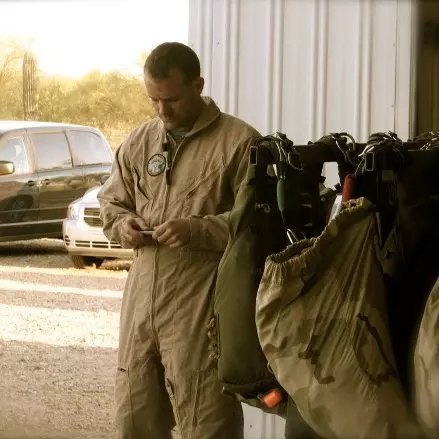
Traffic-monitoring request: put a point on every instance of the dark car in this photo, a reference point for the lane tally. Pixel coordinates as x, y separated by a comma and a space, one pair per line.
53, 164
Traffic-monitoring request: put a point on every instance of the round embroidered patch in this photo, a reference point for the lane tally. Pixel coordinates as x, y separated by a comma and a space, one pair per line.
156, 165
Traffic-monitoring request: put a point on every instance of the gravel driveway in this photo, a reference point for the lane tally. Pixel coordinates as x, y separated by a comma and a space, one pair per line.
58, 340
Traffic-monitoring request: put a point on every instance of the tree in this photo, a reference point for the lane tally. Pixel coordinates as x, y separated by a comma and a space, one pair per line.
11, 54
109, 101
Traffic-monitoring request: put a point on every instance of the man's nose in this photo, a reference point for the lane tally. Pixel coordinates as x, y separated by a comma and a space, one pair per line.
163, 108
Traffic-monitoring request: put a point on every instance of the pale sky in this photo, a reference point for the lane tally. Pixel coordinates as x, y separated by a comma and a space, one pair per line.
74, 37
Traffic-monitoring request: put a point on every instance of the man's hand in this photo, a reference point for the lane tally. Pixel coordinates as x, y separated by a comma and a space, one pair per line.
173, 233
130, 233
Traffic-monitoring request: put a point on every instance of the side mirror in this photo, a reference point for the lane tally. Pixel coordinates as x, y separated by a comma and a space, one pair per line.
104, 178
6, 168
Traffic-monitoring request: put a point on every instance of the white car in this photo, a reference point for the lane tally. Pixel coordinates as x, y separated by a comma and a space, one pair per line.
83, 235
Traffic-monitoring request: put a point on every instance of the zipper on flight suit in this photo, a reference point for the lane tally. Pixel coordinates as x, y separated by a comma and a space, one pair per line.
170, 160
169, 163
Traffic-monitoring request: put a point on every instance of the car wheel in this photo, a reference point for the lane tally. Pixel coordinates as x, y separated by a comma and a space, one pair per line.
85, 261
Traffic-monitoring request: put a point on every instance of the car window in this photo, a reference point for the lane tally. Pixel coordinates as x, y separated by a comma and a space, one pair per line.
51, 151
89, 149
14, 150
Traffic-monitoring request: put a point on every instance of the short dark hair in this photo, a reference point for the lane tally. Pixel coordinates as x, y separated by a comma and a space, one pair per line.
169, 56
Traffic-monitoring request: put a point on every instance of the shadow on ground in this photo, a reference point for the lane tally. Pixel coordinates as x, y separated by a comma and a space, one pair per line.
47, 253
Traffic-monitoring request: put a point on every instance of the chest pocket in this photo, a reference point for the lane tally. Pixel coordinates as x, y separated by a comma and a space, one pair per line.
188, 176
141, 190
212, 182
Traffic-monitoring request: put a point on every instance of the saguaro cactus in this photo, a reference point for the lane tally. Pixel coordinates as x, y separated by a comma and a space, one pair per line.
30, 86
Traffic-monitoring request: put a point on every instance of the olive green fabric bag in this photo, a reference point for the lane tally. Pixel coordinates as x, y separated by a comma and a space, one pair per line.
254, 234
257, 229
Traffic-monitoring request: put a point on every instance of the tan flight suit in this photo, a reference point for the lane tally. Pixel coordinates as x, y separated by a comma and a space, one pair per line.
164, 371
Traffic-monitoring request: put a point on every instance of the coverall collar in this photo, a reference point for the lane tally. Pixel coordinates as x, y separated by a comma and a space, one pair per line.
208, 115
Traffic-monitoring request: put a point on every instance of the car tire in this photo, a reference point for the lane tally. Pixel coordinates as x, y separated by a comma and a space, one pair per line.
85, 261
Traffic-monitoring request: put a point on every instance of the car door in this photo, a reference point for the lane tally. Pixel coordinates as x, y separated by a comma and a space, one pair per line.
19, 190
91, 153
58, 181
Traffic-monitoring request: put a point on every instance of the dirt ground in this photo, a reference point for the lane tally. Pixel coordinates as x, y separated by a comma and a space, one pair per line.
58, 347
58, 340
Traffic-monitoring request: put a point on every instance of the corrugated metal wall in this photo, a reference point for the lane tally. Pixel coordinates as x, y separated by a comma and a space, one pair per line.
309, 67
306, 68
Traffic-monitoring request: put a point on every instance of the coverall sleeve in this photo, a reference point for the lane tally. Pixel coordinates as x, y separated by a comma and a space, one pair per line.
211, 232
116, 197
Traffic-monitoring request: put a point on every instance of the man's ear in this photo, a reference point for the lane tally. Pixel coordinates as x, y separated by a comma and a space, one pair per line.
199, 84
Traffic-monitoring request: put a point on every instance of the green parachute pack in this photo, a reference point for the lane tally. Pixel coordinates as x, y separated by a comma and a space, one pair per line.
279, 201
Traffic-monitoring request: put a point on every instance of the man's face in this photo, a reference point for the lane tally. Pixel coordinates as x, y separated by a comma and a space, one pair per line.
176, 101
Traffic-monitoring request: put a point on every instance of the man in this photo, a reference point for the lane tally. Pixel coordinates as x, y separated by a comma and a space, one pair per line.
176, 175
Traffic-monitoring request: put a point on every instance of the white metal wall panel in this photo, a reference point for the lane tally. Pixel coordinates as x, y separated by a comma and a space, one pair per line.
306, 68
309, 67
